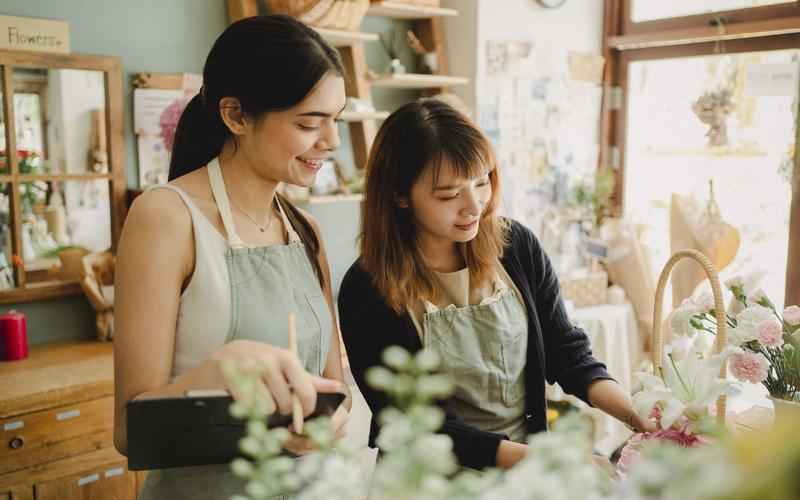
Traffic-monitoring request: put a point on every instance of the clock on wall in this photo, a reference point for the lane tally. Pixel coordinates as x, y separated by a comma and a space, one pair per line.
551, 4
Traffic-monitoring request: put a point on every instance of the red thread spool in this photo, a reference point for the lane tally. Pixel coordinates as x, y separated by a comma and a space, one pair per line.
13, 336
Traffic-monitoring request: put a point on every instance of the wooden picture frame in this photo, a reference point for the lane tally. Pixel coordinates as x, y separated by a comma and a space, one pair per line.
11, 178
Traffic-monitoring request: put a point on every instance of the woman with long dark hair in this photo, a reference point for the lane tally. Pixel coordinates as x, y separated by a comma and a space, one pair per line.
211, 264
440, 269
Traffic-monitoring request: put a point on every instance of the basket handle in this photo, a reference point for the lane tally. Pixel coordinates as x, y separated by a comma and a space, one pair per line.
719, 311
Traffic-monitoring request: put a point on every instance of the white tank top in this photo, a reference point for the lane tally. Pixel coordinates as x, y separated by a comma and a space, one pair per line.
204, 314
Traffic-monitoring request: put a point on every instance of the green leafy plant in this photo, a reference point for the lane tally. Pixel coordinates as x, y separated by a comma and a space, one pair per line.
593, 196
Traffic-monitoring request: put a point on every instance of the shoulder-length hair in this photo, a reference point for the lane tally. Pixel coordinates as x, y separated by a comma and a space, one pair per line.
421, 135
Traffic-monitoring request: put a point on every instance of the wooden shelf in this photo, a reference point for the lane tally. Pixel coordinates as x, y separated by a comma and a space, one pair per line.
42, 264
42, 290
333, 198
352, 116
339, 38
416, 81
54, 177
398, 10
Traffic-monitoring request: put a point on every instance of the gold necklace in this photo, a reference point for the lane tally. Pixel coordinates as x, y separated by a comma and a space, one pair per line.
263, 229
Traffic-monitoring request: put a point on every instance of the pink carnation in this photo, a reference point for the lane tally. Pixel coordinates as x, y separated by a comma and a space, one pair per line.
791, 315
168, 121
770, 333
750, 366
631, 453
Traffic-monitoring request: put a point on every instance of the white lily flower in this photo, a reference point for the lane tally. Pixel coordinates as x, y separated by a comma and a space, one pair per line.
686, 387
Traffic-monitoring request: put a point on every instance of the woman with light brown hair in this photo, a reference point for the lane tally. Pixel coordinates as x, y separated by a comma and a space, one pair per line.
440, 269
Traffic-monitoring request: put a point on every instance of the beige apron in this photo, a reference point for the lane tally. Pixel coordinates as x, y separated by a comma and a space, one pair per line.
484, 349
266, 284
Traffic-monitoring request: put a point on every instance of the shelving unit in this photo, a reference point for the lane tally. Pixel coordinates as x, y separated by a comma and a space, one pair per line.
339, 38
416, 81
426, 22
400, 10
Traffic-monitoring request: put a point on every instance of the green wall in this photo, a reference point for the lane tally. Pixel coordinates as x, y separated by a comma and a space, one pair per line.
174, 36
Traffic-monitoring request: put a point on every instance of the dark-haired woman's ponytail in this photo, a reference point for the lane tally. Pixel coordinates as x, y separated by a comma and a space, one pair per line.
198, 139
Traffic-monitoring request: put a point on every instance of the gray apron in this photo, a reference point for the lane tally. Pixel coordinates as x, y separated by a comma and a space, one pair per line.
266, 284
483, 350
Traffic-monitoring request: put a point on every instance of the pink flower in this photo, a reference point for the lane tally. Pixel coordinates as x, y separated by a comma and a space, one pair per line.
630, 454
632, 451
750, 367
679, 437
770, 333
791, 315
168, 121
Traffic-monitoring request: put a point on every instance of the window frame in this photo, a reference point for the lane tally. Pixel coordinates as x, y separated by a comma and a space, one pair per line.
774, 27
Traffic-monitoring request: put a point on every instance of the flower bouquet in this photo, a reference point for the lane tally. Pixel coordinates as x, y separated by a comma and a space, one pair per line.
688, 379
765, 342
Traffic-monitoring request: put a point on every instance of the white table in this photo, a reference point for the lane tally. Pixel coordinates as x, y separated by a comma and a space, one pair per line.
613, 333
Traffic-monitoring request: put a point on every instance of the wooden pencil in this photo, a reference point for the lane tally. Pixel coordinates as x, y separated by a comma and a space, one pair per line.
297, 408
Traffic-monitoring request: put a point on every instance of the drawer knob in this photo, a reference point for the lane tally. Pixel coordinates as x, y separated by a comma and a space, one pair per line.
16, 443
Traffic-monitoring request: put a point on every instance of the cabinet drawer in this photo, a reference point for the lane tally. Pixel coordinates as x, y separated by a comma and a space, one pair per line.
49, 435
108, 482
17, 493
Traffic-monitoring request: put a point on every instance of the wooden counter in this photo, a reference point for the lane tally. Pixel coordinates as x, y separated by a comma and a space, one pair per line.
56, 374
56, 426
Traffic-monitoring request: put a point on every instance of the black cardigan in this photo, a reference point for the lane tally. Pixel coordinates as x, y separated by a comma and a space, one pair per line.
557, 350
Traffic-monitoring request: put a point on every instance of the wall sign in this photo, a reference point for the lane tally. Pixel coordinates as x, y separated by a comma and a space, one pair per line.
28, 33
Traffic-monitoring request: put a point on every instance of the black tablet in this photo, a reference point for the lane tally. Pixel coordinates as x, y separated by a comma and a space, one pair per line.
195, 430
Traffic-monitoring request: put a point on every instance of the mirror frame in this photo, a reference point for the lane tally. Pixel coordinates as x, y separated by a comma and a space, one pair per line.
111, 67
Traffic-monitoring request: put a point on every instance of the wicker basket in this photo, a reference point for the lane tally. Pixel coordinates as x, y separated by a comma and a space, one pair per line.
719, 310
586, 291
331, 14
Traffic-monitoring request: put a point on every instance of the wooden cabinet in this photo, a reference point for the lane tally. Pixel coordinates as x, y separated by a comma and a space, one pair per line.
53, 434
56, 427
18, 493
104, 476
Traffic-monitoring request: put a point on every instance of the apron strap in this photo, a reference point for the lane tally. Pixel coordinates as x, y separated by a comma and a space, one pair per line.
293, 236
223, 205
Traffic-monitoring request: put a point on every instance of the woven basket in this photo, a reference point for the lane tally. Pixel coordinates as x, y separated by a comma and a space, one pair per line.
719, 310
331, 14
586, 291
